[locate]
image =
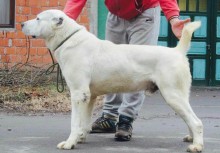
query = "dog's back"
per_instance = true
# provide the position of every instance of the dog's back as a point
(133, 67)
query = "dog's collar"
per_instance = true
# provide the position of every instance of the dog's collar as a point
(62, 42)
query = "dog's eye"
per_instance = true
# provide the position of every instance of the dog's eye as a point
(38, 19)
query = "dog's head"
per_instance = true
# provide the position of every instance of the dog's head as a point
(45, 24)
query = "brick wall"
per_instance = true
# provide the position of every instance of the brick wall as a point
(14, 44)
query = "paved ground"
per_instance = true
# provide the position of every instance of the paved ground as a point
(157, 130)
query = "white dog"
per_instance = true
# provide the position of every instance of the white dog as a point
(94, 67)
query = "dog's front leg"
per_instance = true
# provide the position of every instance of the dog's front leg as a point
(80, 100)
(85, 118)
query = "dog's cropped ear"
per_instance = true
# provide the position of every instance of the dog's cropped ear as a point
(58, 21)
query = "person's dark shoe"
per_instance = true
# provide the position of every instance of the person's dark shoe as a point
(104, 124)
(124, 128)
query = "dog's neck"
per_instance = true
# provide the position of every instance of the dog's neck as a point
(62, 34)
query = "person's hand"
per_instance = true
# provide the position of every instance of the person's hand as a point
(177, 26)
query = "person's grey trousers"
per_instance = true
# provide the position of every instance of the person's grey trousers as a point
(141, 30)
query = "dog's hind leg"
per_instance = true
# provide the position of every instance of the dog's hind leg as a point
(80, 101)
(178, 100)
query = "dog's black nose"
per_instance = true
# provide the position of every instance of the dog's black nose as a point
(22, 24)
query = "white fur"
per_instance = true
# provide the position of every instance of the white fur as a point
(93, 67)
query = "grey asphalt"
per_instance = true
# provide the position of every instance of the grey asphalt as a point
(156, 130)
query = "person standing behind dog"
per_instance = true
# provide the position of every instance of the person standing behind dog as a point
(129, 22)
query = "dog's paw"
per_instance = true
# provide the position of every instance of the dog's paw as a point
(81, 140)
(188, 138)
(82, 135)
(65, 145)
(195, 148)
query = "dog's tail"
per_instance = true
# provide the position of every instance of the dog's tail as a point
(185, 39)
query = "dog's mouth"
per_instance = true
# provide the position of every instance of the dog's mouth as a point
(34, 36)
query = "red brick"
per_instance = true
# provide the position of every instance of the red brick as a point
(19, 42)
(35, 10)
(44, 3)
(21, 51)
(20, 35)
(2, 50)
(3, 41)
(26, 10)
(37, 43)
(20, 2)
(2, 34)
(24, 58)
(84, 19)
(21, 18)
(42, 51)
(23, 10)
(30, 17)
(33, 51)
(53, 3)
(11, 35)
(18, 9)
(47, 59)
(34, 3)
(36, 59)
(5, 59)
(10, 50)
(45, 8)
(18, 26)
(62, 2)
(14, 59)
